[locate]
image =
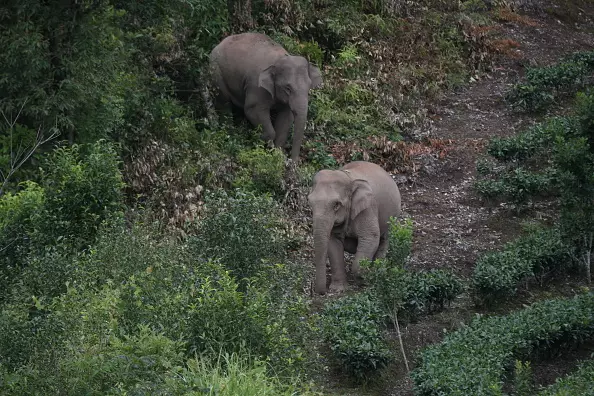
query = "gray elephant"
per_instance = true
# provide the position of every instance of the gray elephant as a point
(351, 208)
(258, 75)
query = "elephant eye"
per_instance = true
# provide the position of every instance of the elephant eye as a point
(337, 205)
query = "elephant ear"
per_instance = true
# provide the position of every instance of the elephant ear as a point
(362, 197)
(266, 80)
(315, 76)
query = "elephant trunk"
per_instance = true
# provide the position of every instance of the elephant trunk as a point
(299, 109)
(321, 233)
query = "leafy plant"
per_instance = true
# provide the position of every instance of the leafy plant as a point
(243, 230)
(352, 328)
(523, 379)
(498, 275)
(544, 84)
(261, 170)
(473, 359)
(400, 240)
(577, 383)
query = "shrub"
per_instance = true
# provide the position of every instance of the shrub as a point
(18, 213)
(145, 362)
(400, 240)
(432, 290)
(472, 360)
(282, 334)
(352, 328)
(497, 275)
(243, 230)
(577, 383)
(81, 187)
(349, 112)
(147, 278)
(408, 293)
(562, 148)
(524, 145)
(523, 385)
(543, 84)
(261, 170)
(517, 185)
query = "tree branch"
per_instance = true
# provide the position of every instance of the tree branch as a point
(23, 153)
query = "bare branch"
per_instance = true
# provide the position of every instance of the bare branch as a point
(23, 152)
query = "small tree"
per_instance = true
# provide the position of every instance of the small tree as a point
(389, 281)
(390, 288)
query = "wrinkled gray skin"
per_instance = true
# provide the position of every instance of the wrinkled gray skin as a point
(351, 208)
(256, 74)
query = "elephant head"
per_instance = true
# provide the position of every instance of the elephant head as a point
(336, 200)
(288, 81)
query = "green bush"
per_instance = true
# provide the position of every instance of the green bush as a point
(544, 84)
(261, 170)
(18, 214)
(562, 151)
(81, 187)
(526, 144)
(282, 334)
(581, 382)
(143, 363)
(352, 328)
(523, 385)
(472, 360)
(517, 185)
(497, 275)
(410, 294)
(431, 290)
(407, 293)
(162, 283)
(400, 236)
(243, 230)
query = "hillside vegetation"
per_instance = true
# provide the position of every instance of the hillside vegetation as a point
(150, 244)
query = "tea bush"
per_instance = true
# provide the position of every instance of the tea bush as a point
(560, 154)
(473, 359)
(400, 240)
(432, 290)
(352, 328)
(497, 275)
(404, 292)
(410, 294)
(517, 185)
(544, 84)
(537, 138)
(577, 383)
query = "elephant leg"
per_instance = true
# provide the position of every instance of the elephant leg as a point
(282, 126)
(382, 249)
(366, 249)
(337, 265)
(259, 114)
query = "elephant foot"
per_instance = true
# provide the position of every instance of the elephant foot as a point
(337, 287)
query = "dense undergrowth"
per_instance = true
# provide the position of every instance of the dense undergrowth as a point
(147, 247)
